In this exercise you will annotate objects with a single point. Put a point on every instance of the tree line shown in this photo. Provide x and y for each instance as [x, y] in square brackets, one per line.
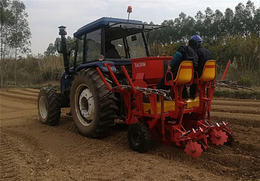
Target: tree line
[233, 35]
[15, 34]
[210, 25]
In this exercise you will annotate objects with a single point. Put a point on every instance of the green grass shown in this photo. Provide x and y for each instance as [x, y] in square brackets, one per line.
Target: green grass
[238, 94]
[54, 84]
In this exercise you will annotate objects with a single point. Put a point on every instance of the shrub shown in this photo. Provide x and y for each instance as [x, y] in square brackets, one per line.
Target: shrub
[237, 94]
[246, 80]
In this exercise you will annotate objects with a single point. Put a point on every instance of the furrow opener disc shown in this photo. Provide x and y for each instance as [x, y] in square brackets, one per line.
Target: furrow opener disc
[218, 137]
[193, 149]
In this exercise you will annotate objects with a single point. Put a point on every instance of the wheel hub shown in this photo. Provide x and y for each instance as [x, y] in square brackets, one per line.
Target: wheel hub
[136, 138]
[43, 107]
[86, 105]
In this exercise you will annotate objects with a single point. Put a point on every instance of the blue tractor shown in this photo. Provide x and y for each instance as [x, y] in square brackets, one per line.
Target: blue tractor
[105, 42]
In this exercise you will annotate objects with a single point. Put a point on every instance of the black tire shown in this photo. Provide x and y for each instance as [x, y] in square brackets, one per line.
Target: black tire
[93, 106]
[139, 137]
[49, 106]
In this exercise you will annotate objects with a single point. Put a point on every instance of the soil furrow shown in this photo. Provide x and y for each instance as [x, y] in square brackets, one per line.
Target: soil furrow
[22, 92]
[8, 163]
[17, 114]
[30, 150]
[235, 109]
[31, 90]
[18, 96]
[236, 102]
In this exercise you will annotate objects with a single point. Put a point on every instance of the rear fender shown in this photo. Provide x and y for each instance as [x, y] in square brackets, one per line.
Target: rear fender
[66, 80]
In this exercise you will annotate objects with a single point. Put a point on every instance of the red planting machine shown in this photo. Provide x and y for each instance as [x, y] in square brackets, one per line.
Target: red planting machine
[164, 114]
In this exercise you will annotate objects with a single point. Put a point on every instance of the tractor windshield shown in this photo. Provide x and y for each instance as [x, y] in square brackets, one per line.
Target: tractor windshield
[130, 47]
[129, 39]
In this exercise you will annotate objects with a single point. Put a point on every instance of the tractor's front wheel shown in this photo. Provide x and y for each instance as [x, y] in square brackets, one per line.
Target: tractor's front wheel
[139, 137]
[49, 106]
[93, 106]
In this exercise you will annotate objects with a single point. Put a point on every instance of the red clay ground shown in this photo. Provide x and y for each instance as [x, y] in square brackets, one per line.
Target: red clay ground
[30, 150]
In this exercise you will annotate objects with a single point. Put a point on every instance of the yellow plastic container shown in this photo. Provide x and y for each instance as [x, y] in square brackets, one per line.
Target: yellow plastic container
[192, 103]
[168, 106]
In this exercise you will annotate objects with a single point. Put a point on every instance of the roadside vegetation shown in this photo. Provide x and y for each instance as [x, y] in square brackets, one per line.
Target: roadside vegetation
[238, 94]
[233, 35]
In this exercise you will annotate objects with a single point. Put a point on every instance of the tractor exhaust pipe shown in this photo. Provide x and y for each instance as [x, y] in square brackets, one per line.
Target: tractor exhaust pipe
[63, 48]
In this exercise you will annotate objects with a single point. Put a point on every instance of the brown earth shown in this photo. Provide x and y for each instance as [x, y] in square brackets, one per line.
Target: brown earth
[30, 150]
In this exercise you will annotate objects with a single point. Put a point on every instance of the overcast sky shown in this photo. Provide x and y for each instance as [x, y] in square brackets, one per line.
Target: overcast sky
[46, 15]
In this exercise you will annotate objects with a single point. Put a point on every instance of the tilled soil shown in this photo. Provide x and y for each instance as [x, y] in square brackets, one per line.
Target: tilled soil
[30, 150]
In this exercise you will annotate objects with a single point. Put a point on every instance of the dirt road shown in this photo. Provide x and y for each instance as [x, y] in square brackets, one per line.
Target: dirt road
[30, 150]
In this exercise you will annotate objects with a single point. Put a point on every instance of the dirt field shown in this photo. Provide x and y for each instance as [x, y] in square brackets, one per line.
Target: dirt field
[30, 150]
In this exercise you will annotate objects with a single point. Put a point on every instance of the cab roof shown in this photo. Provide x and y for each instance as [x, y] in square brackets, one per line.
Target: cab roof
[101, 23]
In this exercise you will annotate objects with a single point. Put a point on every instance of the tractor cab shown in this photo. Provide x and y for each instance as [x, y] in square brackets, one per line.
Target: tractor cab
[112, 39]
[114, 42]
[122, 42]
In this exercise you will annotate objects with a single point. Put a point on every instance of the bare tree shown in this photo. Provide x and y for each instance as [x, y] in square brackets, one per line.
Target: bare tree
[15, 31]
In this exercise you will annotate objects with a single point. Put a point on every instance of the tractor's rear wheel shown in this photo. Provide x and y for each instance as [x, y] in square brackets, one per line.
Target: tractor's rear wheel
[49, 106]
[93, 106]
[139, 137]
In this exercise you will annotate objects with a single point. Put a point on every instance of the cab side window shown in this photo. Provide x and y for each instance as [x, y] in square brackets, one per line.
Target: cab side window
[93, 45]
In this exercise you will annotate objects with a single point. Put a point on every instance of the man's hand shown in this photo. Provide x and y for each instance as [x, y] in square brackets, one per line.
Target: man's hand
[169, 68]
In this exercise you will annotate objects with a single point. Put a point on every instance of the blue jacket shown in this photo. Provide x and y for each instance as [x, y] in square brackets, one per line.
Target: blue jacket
[184, 53]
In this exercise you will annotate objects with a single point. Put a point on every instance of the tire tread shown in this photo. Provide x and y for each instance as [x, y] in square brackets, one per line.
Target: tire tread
[53, 100]
[106, 103]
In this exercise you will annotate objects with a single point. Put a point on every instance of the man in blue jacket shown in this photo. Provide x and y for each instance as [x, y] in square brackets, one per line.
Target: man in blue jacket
[183, 53]
[203, 55]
